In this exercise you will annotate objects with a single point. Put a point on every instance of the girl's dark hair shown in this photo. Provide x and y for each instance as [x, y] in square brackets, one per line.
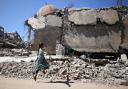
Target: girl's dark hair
[41, 45]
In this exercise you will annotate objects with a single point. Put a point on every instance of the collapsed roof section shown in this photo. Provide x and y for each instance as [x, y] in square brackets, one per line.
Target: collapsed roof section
[42, 19]
[86, 17]
[42, 22]
[78, 17]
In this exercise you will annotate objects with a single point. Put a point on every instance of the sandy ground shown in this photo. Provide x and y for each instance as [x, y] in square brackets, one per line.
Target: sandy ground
[11, 83]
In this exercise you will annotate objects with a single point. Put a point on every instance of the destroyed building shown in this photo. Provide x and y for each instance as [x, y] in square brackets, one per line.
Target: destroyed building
[9, 40]
[84, 30]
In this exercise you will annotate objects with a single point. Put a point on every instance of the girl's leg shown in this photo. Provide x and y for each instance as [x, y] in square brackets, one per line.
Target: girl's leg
[35, 74]
[37, 69]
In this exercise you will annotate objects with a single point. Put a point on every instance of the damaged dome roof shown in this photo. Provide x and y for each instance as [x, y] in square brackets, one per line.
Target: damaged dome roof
[46, 10]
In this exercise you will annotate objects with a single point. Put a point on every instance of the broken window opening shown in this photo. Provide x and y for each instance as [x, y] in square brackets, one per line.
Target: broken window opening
[98, 20]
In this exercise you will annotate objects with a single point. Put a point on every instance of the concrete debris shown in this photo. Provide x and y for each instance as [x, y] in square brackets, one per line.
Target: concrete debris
[76, 69]
[14, 52]
[17, 70]
[37, 23]
[59, 49]
[42, 22]
[123, 59]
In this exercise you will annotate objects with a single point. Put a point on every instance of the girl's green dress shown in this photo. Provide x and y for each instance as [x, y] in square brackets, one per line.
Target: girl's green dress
[41, 62]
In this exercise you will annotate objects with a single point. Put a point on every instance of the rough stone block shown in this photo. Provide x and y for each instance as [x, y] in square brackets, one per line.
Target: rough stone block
[84, 17]
[37, 23]
[53, 20]
[109, 16]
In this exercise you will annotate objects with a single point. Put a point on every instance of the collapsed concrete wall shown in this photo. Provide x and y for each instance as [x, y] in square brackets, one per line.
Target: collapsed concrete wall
[92, 30]
[99, 38]
[48, 36]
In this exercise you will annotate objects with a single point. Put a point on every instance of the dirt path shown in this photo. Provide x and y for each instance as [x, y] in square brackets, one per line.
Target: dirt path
[11, 83]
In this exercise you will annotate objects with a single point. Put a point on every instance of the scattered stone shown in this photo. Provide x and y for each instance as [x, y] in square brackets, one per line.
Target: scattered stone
[14, 52]
[122, 82]
[124, 58]
[77, 69]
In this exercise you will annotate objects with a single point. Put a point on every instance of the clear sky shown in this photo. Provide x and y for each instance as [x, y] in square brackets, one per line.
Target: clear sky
[13, 13]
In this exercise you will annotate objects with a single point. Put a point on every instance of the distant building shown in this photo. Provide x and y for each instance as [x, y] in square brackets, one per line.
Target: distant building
[9, 40]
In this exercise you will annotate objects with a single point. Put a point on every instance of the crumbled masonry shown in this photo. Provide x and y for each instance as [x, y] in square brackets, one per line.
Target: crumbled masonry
[113, 73]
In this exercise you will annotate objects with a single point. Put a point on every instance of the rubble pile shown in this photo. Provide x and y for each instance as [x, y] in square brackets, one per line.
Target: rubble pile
[76, 69]
[10, 40]
[17, 69]
[14, 52]
[5, 52]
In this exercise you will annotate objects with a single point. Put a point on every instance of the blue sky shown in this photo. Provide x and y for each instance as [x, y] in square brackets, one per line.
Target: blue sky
[13, 13]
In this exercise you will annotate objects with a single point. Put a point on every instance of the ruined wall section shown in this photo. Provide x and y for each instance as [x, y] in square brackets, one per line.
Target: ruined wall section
[91, 30]
[48, 36]
[47, 30]
[94, 31]
[99, 38]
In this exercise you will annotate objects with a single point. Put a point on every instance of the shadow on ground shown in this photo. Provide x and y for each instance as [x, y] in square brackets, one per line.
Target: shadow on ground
[68, 83]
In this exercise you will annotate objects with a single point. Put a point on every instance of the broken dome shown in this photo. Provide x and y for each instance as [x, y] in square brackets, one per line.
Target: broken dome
[44, 17]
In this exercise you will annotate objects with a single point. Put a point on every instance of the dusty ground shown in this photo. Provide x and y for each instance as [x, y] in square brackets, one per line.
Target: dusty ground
[11, 83]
